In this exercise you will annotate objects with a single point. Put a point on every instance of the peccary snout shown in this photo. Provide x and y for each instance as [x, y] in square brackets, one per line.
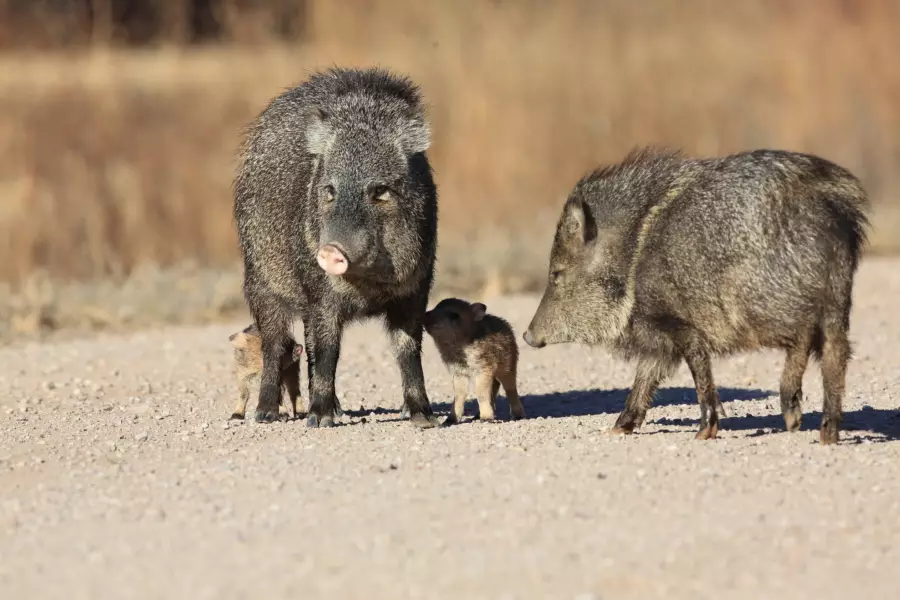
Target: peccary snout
[531, 340]
[332, 259]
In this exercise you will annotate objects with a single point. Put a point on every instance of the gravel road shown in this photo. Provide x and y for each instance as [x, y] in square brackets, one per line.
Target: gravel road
[120, 477]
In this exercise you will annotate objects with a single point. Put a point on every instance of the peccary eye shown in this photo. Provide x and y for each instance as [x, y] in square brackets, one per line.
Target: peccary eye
[329, 193]
[380, 193]
[555, 275]
[453, 316]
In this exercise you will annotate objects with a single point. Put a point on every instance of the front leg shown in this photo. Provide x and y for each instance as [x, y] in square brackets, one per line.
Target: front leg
[649, 374]
[273, 322]
[404, 322]
[322, 334]
[707, 395]
[460, 393]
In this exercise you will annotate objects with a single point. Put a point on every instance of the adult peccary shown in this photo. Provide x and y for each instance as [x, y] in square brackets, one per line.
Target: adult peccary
[663, 257]
[336, 211]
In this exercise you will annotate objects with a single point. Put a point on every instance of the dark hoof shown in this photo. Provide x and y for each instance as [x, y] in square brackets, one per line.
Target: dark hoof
[338, 411]
[792, 419]
[829, 433]
[449, 422]
[404, 411]
[314, 421]
[423, 422]
[707, 433]
[267, 416]
[236, 417]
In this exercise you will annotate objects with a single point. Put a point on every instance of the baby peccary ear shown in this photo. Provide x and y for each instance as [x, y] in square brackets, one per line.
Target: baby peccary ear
[238, 340]
[478, 309]
[298, 350]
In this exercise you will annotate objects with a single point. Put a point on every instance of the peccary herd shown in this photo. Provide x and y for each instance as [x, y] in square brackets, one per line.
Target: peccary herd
[661, 258]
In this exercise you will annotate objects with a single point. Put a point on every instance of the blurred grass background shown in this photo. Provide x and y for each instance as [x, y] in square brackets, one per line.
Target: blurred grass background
[120, 119]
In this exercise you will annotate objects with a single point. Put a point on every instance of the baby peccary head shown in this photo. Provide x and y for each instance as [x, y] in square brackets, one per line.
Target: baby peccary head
[475, 344]
[248, 351]
[454, 322]
[369, 135]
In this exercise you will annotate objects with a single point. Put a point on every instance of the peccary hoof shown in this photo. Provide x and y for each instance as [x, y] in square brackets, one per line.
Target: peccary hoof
[829, 434]
[423, 422]
[404, 411]
[315, 421]
[236, 417]
[267, 416]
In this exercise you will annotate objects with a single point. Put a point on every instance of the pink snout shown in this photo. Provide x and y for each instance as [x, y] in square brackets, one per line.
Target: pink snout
[332, 260]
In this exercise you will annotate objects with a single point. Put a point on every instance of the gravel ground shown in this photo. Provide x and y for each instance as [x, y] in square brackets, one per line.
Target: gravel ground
[120, 477]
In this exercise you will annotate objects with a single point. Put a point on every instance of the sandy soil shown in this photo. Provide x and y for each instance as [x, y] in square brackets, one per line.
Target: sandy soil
[120, 477]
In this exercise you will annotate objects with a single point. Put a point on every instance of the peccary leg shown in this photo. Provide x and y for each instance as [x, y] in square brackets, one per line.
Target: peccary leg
[460, 393]
[243, 397]
[484, 386]
[516, 409]
[650, 373]
[404, 322]
[273, 322]
[835, 356]
[791, 385]
[323, 349]
[707, 395]
[291, 378]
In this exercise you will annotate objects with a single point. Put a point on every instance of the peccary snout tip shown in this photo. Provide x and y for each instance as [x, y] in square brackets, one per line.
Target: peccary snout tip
[332, 260]
[531, 340]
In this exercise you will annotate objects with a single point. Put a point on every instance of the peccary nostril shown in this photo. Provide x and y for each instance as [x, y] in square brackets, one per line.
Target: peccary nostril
[332, 260]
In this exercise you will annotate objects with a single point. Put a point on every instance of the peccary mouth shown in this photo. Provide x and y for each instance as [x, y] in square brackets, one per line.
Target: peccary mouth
[332, 259]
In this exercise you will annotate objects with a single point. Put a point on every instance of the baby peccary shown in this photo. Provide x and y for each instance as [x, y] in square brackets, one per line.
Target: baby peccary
[475, 344]
[664, 258]
[248, 364]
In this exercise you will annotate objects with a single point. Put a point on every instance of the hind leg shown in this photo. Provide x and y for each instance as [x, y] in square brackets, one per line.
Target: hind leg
[707, 394]
[835, 356]
[516, 409]
[290, 378]
[791, 391]
[484, 391]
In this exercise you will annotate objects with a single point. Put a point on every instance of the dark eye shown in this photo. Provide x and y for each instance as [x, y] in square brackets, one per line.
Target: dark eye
[453, 316]
[329, 193]
[555, 275]
[380, 193]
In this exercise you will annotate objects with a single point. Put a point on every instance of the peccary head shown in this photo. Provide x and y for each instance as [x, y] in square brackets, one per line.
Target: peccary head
[453, 321]
[369, 143]
[585, 299]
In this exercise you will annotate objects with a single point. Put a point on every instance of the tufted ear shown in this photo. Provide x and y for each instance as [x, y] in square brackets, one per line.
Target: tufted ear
[579, 225]
[478, 309]
[416, 135]
[319, 133]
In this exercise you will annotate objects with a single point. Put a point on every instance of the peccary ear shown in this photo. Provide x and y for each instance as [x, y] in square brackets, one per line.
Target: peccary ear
[416, 136]
[318, 131]
[298, 350]
[238, 340]
[579, 224]
[478, 309]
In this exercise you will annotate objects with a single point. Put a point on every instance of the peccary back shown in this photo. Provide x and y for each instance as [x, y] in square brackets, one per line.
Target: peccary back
[336, 211]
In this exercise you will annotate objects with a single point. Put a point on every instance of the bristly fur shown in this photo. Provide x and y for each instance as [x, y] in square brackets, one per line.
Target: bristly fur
[308, 169]
[664, 258]
[474, 344]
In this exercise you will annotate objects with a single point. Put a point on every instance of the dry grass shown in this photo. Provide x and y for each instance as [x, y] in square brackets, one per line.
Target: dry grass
[120, 159]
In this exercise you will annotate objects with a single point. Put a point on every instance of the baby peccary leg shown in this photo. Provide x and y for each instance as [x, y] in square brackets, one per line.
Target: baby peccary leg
[484, 391]
[707, 395]
[460, 393]
[516, 410]
[243, 397]
[290, 377]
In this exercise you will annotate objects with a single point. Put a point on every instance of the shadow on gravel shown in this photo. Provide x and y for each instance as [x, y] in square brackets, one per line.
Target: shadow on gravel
[578, 403]
[884, 423]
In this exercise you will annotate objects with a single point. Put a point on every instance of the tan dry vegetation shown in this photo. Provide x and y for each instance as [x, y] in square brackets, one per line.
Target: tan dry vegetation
[117, 159]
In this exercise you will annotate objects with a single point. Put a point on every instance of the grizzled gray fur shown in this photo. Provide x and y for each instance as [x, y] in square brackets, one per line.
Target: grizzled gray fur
[336, 210]
[663, 258]
[475, 344]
